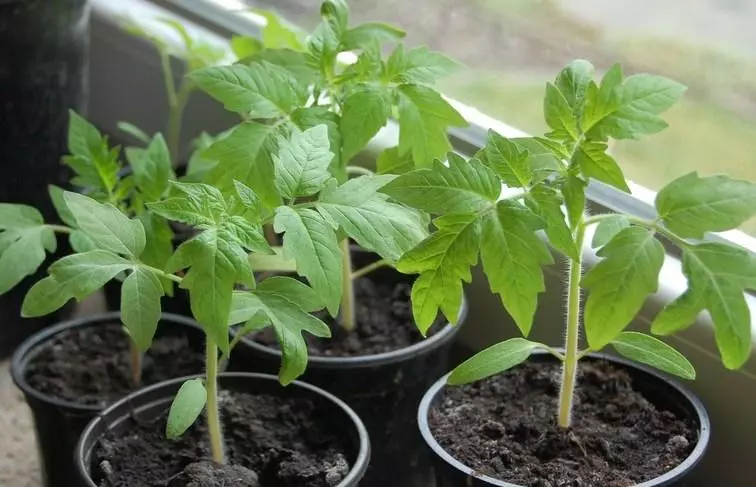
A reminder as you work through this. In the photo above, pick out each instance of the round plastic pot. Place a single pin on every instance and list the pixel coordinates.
(658, 389)
(152, 402)
(384, 389)
(59, 423)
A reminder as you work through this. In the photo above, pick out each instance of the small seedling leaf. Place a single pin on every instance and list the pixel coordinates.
(186, 408)
(651, 351)
(493, 360)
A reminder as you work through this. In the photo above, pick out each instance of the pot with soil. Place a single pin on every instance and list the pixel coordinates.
(70, 372)
(635, 428)
(298, 436)
(380, 369)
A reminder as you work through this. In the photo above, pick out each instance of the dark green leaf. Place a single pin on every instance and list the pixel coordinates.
(140, 306)
(651, 351)
(185, 408)
(508, 160)
(391, 162)
(366, 110)
(597, 164)
(679, 314)
(493, 360)
(546, 203)
(159, 247)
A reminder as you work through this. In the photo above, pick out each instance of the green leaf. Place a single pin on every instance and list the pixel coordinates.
(620, 283)
(461, 187)
(184, 210)
(95, 164)
(364, 35)
(152, 169)
(140, 306)
(44, 297)
(310, 240)
(559, 114)
(248, 198)
(634, 107)
(718, 274)
(391, 162)
(263, 89)
(14, 216)
(274, 262)
(573, 81)
(546, 203)
(354, 191)
(651, 351)
(83, 274)
(245, 46)
(84, 140)
(366, 110)
(493, 360)
(309, 117)
(185, 408)
(512, 256)
(248, 235)
(107, 227)
(679, 314)
(336, 13)
(80, 242)
(508, 160)
(22, 250)
(597, 164)
(608, 228)
(573, 190)
(58, 201)
(199, 166)
(691, 205)
(418, 65)
(159, 246)
(424, 119)
(306, 297)
(277, 33)
(301, 166)
(134, 131)
(443, 261)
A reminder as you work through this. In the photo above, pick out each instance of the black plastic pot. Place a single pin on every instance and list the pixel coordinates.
(58, 423)
(657, 388)
(153, 401)
(43, 73)
(384, 389)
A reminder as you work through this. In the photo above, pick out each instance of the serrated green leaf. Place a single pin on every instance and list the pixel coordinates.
(651, 351)
(248, 235)
(84, 140)
(277, 33)
(366, 110)
(308, 117)
(607, 229)
(248, 198)
(310, 240)
(22, 251)
(44, 297)
(462, 187)
(245, 46)
(620, 283)
(152, 169)
(302, 163)
(573, 190)
(424, 119)
(546, 203)
(108, 228)
(597, 164)
(418, 65)
(365, 34)
(559, 114)
(391, 162)
(508, 160)
(691, 205)
(134, 131)
(443, 261)
(159, 246)
(512, 256)
(718, 273)
(298, 64)
(262, 89)
(306, 297)
(493, 360)
(15, 216)
(274, 262)
(140, 306)
(199, 166)
(184, 210)
(546, 155)
(83, 274)
(679, 314)
(185, 408)
(56, 196)
(355, 191)
(573, 81)
(95, 164)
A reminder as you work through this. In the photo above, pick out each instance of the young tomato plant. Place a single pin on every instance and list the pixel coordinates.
(547, 177)
(287, 81)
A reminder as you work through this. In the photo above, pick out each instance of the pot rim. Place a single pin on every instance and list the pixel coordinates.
(356, 471)
(695, 456)
(28, 349)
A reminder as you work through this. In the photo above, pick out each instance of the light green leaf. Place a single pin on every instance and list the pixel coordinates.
(199, 166)
(309, 117)
(493, 360)
(573, 81)
(354, 191)
(601, 100)
(512, 256)
(185, 408)
(245, 46)
(248, 235)
(275, 262)
(107, 227)
(83, 274)
(573, 190)
(248, 198)
(679, 314)
(277, 33)
(597, 164)
(301, 166)
(95, 164)
(607, 229)
(651, 351)
(22, 250)
(559, 114)
(14, 216)
(44, 297)
(424, 119)
(262, 89)
(620, 283)
(546, 203)
(364, 35)
(80, 242)
(84, 140)
(159, 246)
(306, 297)
(459, 188)
(443, 261)
(366, 110)
(508, 160)
(691, 205)
(391, 162)
(140, 306)
(418, 65)
(56, 196)
(184, 210)
(152, 168)
(134, 131)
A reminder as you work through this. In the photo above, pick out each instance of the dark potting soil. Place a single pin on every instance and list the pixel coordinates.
(91, 366)
(286, 442)
(505, 427)
(384, 323)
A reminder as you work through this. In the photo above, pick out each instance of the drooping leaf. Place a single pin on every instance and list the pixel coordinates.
(620, 283)
(607, 229)
(573, 190)
(366, 110)
(418, 65)
(185, 408)
(597, 164)
(44, 297)
(140, 306)
(302, 163)
(22, 243)
(651, 351)
(546, 203)
(679, 314)
(274, 262)
(691, 205)
(83, 274)
(493, 360)
(134, 131)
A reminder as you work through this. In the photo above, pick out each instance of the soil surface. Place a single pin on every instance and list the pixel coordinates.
(384, 323)
(284, 442)
(505, 427)
(91, 365)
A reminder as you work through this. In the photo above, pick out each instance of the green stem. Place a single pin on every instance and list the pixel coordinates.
(348, 318)
(650, 224)
(175, 118)
(213, 418)
(60, 229)
(370, 268)
(569, 369)
(359, 170)
(170, 88)
(161, 273)
(136, 364)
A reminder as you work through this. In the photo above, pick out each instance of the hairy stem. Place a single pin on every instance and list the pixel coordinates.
(348, 319)
(135, 356)
(213, 418)
(370, 268)
(569, 368)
